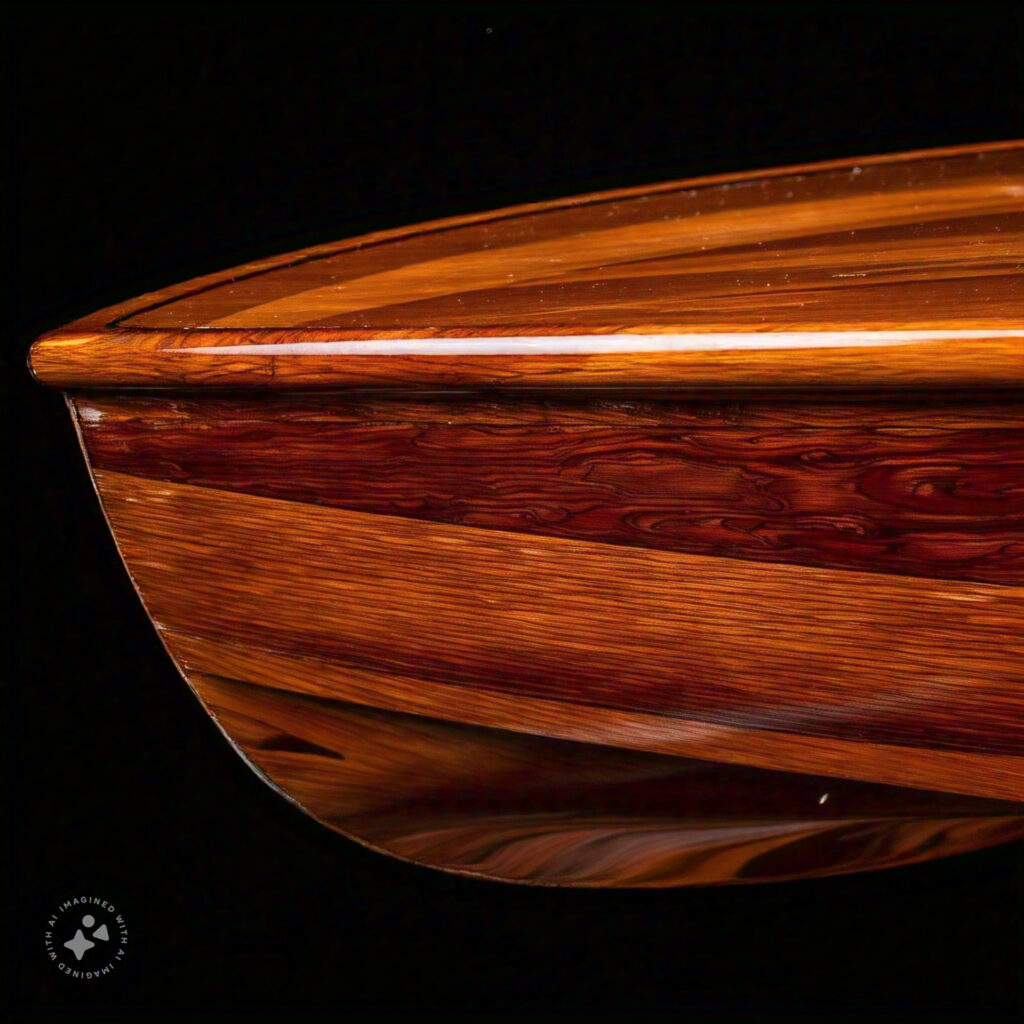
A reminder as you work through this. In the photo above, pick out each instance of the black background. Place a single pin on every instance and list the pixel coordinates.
(152, 144)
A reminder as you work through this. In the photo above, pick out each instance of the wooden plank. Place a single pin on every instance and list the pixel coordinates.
(891, 273)
(855, 671)
(936, 492)
(532, 809)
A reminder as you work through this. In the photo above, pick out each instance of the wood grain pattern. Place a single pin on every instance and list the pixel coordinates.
(892, 273)
(907, 489)
(531, 809)
(669, 644)
(672, 535)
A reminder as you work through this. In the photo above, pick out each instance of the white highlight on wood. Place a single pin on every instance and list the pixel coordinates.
(598, 344)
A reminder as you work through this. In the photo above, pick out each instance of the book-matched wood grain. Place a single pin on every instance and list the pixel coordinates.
(660, 536)
(895, 272)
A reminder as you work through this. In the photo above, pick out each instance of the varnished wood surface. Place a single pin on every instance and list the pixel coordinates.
(776, 666)
(673, 535)
(894, 272)
(928, 487)
(531, 809)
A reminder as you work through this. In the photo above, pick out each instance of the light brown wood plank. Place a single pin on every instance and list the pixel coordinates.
(864, 669)
(884, 273)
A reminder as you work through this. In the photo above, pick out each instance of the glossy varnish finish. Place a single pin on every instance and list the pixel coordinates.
(877, 272)
(932, 487)
(532, 809)
(773, 666)
(748, 606)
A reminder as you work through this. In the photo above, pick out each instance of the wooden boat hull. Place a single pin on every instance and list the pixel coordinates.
(482, 636)
(663, 537)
